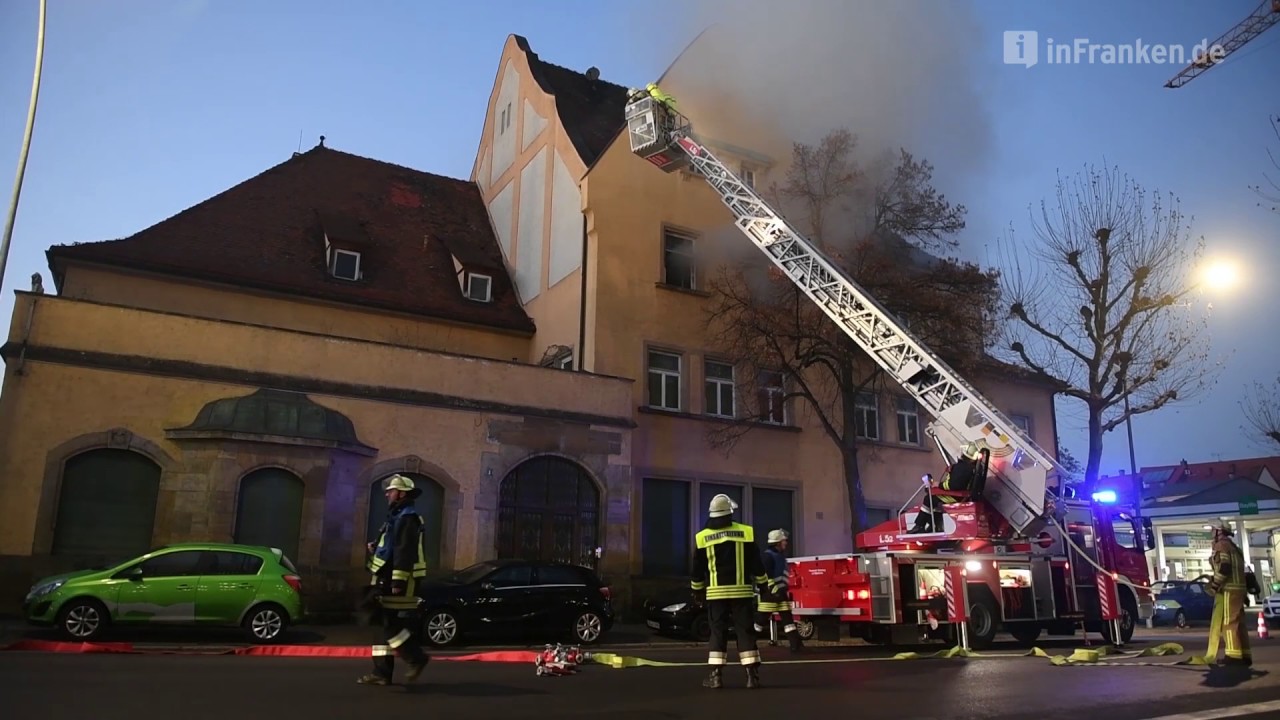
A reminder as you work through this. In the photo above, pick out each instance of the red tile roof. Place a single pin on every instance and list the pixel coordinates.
(268, 233)
(592, 112)
(1247, 468)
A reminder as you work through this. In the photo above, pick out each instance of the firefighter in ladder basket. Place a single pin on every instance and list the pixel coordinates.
(727, 568)
(776, 598)
(1228, 588)
(960, 477)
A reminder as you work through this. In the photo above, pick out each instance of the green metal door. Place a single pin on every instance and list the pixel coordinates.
(269, 512)
(106, 505)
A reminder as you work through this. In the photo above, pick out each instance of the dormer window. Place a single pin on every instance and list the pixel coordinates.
(345, 265)
(479, 287)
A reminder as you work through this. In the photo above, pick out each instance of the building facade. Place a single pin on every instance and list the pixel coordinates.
(528, 344)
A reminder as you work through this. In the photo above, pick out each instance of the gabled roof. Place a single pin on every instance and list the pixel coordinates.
(1249, 468)
(1227, 491)
(592, 112)
(268, 233)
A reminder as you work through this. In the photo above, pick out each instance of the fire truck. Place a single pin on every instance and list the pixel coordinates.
(1016, 547)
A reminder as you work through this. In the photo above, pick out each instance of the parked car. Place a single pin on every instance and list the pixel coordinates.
(677, 614)
(1182, 602)
(546, 601)
(198, 584)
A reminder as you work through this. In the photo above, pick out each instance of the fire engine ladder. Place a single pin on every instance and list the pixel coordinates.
(1019, 469)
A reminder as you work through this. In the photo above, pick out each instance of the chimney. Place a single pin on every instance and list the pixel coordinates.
(593, 74)
(1186, 471)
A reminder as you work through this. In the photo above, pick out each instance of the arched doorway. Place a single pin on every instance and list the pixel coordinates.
(549, 510)
(106, 505)
(269, 510)
(430, 505)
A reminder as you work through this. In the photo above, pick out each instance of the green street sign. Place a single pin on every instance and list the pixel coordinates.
(1248, 507)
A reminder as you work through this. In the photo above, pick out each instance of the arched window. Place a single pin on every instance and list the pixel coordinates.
(549, 511)
(430, 505)
(269, 511)
(106, 505)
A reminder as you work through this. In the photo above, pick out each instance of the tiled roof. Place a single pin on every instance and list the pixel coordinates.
(268, 233)
(591, 112)
(1249, 468)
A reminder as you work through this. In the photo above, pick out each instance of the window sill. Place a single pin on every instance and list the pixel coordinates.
(682, 290)
(920, 447)
(647, 410)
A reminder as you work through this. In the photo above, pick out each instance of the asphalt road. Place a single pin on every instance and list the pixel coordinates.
(836, 682)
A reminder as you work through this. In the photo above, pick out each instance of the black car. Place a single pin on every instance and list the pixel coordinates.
(677, 613)
(541, 601)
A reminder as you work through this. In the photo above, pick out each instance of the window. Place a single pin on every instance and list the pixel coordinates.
(512, 576)
(771, 396)
(876, 516)
(666, 536)
(504, 120)
(1022, 421)
(564, 363)
(773, 508)
(677, 260)
(1122, 527)
(664, 380)
(748, 177)
(231, 563)
(719, 387)
(559, 575)
(346, 265)
(175, 564)
(866, 417)
(908, 421)
(479, 287)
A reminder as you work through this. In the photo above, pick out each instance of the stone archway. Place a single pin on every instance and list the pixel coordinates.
(430, 505)
(549, 510)
(269, 510)
(106, 506)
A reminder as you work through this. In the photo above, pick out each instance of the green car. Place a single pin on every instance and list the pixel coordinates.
(202, 584)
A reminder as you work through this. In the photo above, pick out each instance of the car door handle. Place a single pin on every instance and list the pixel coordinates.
(184, 586)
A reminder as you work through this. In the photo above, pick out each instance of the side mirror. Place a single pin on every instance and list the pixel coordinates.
(134, 573)
(1149, 534)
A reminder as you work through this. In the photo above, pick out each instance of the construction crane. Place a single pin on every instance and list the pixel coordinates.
(1018, 485)
(1264, 17)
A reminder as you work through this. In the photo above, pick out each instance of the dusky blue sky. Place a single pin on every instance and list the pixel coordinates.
(150, 106)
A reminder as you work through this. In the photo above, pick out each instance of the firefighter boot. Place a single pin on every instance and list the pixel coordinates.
(794, 637)
(753, 676)
(713, 679)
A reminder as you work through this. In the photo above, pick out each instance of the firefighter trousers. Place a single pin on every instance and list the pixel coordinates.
(1228, 607)
(398, 635)
(719, 613)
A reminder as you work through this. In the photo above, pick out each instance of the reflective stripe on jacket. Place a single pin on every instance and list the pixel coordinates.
(727, 563)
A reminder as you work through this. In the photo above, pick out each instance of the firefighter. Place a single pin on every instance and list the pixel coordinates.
(726, 570)
(661, 96)
(1228, 588)
(398, 563)
(959, 477)
(776, 598)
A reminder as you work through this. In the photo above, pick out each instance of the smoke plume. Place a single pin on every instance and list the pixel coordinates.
(897, 73)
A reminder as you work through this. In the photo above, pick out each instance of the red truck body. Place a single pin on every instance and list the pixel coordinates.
(895, 592)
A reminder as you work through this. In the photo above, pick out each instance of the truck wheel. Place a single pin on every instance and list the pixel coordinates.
(1024, 632)
(1128, 618)
(982, 619)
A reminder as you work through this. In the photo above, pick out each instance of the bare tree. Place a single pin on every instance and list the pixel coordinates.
(873, 222)
(1262, 412)
(1106, 311)
(1273, 194)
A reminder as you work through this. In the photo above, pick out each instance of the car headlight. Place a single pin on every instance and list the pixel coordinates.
(674, 608)
(1167, 605)
(45, 589)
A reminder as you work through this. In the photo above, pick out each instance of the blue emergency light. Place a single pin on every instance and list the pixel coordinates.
(1104, 496)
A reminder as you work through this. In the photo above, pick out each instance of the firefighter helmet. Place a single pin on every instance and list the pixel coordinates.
(777, 536)
(722, 505)
(403, 484)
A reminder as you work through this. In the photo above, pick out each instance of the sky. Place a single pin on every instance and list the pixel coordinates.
(150, 106)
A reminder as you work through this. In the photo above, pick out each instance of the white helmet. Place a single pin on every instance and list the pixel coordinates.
(722, 505)
(777, 536)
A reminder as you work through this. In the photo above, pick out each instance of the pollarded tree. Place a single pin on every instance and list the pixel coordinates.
(1262, 412)
(1107, 311)
(875, 222)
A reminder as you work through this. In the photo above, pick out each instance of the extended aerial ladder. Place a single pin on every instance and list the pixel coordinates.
(1263, 17)
(1017, 486)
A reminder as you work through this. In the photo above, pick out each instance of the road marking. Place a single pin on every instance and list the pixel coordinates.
(1226, 712)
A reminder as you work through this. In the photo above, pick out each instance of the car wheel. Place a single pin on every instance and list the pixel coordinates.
(1180, 619)
(588, 627)
(441, 627)
(805, 629)
(266, 623)
(700, 628)
(83, 620)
